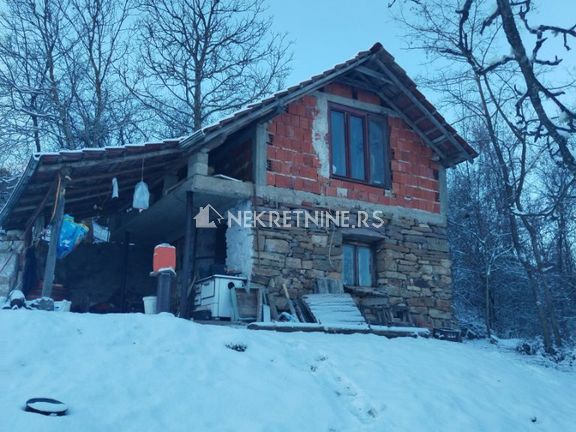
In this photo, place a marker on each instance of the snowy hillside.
(157, 373)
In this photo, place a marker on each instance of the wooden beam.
(40, 208)
(124, 172)
(124, 277)
(87, 163)
(259, 155)
(136, 170)
(77, 197)
(55, 228)
(189, 257)
(420, 105)
(408, 121)
(75, 190)
(374, 74)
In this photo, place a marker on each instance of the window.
(358, 265)
(359, 146)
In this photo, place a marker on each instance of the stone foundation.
(411, 261)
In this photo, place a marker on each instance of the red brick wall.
(293, 163)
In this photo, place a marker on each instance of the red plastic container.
(164, 257)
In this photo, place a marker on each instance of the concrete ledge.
(386, 331)
(294, 197)
(243, 189)
(221, 187)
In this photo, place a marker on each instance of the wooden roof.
(90, 190)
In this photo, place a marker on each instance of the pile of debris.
(230, 299)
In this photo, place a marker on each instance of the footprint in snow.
(357, 402)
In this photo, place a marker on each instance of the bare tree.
(484, 86)
(29, 43)
(505, 21)
(103, 30)
(59, 75)
(555, 128)
(205, 58)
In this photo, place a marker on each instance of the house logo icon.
(208, 217)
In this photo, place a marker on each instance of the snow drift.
(157, 373)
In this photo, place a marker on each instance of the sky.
(327, 32)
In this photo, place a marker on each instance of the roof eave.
(29, 171)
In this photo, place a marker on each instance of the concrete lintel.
(354, 103)
(294, 197)
(221, 187)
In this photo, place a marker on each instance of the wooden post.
(124, 278)
(189, 255)
(259, 155)
(55, 228)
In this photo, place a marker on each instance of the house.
(358, 140)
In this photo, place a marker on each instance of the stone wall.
(414, 268)
(412, 265)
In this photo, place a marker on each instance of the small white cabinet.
(213, 295)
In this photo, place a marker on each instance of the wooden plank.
(259, 304)
(40, 208)
(290, 304)
(73, 190)
(189, 257)
(374, 74)
(56, 227)
(334, 309)
(329, 286)
(260, 155)
(389, 332)
(244, 304)
(420, 105)
(124, 276)
(103, 161)
(398, 111)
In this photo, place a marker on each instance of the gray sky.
(327, 32)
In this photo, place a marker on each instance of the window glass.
(348, 265)
(377, 141)
(338, 138)
(364, 254)
(357, 152)
(359, 146)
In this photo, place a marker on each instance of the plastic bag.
(71, 234)
(114, 187)
(141, 196)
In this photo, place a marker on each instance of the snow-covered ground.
(158, 373)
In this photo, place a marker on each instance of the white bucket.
(64, 306)
(149, 304)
